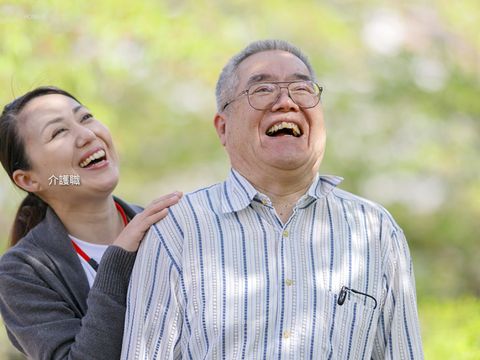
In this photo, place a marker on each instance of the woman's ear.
(220, 125)
(26, 180)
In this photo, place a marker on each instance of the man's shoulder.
(365, 205)
(357, 199)
(192, 204)
(193, 208)
(203, 198)
(210, 190)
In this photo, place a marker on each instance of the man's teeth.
(284, 125)
(97, 155)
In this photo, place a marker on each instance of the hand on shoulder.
(130, 238)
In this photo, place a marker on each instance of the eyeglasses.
(262, 96)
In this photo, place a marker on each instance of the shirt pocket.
(349, 329)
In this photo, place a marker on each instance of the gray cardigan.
(45, 301)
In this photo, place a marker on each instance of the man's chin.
(286, 163)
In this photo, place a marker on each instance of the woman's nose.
(84, 136)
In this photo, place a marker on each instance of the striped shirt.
(222, 278)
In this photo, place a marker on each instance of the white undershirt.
(94, 251)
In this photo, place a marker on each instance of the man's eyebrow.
(258, 78)
(300, 76)
(266, 77)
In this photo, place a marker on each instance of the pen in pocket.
(344, 292)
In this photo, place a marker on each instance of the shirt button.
(286, 334)
(289, 282)
(285, 233)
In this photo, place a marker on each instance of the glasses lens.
(305, 94)
(262, 96)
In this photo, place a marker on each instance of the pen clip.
(342, 295)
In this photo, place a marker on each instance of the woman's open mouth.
(93, 159)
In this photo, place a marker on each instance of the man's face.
(243, 130)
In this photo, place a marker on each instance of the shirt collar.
(238, 193)
(323, 185)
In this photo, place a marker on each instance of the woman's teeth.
(97, 155)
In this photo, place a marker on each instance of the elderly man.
(276, 262)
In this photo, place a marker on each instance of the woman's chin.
(101, 187)
(106, 187)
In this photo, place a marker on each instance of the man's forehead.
(272, 65)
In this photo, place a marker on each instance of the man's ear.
(25, 180)
(220, 125)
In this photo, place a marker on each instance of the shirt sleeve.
(43, 324)
(398, 332)
(153, 324)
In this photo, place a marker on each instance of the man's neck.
(283, 189)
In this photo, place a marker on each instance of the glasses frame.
(288, 83)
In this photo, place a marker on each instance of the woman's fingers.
(177, 194)
(133, 233)
(156, 217)
(162, 203)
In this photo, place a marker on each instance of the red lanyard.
(122, 213)
(87, 258)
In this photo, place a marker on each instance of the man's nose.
(284, 101)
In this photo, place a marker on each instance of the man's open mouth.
(284, 128)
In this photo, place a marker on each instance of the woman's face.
(70, 152)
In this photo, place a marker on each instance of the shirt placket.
(286, 273)
(286, 279)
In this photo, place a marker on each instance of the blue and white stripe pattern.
(222, 278)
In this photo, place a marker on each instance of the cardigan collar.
(58, 248)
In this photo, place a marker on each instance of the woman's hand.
(130, 238)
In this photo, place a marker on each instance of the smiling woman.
(60, 134)
(63, 283)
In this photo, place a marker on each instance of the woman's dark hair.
(13, 157)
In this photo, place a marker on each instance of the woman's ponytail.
(30, 212)
(13, 157)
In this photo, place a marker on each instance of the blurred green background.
(402, 104)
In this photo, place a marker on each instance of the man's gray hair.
(228, 80)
